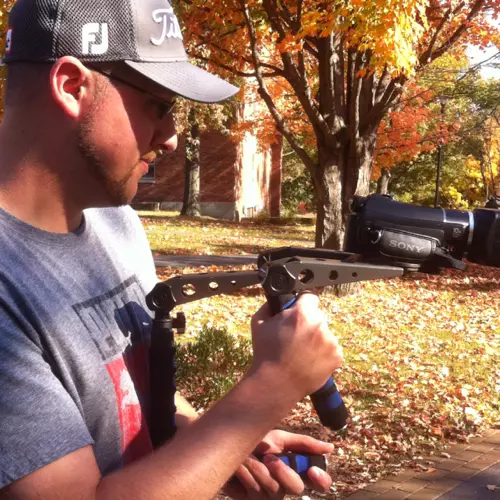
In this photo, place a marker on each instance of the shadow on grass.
(209, 222)
(229, 250)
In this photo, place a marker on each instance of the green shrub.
(297, 195)
(211, 365)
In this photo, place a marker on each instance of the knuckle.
(253, 466)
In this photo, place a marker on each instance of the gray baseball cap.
(144, 34)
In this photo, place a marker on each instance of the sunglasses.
(166, 106)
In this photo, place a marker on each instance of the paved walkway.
(178, 261)
(465, 471)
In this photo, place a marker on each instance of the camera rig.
(385, 239)
(283, 273)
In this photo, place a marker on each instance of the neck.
(33, 186)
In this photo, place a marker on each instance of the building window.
(150, 177)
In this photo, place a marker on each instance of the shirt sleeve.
(39, 421)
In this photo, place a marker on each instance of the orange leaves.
(395, 33)
(407, 132)
(290, 44)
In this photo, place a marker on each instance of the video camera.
(416, 238)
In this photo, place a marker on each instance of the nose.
(165, 136)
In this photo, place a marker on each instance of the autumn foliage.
(407, 131)
(329, 72)
(4, 9)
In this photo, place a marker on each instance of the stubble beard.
(116, 190)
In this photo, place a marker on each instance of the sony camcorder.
(384, 231)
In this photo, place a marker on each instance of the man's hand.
(295, 346)
(273, 479)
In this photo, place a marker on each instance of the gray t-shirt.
(74, 332)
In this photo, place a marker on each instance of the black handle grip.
(327, 401)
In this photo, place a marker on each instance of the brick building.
(236, 180)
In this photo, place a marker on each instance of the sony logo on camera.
(405, 246)
(401, 245)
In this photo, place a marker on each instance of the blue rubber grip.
(301, 463)
(327, 401)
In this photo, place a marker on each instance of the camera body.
(424, 239)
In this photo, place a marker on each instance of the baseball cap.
(143, 34)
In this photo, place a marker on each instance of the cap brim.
(186, 80)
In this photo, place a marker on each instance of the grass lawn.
(422, 353)
(170, 234)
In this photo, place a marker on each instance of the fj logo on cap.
(171, 28)
(89, 39)
(8, 41)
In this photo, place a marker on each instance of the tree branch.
(393, 89)
(339, 84)
(280, 122)
(298, 80)
(426, 56)
(355, 62)
(476, 8)
(366, 101)
(278, 71)
(233, 71)
(326, 79)
(383, 82)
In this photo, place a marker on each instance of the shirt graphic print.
(119, 327)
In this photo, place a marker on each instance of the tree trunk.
(485, 180)
(333, 175)
(191, 204)
(383, 182)
(327, 178)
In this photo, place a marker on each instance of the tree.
(4, 11)
(192, 120)
(191, 202)
(329, 71)
(405, 133)
(470, 168)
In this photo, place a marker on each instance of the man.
(91, 86)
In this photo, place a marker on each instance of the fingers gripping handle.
(327, 401)
(301, 462)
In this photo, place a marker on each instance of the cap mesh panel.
(32, 22)
(44, 30)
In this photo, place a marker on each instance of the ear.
(72, 85)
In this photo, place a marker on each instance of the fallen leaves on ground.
(421, 366)
(421, 363)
